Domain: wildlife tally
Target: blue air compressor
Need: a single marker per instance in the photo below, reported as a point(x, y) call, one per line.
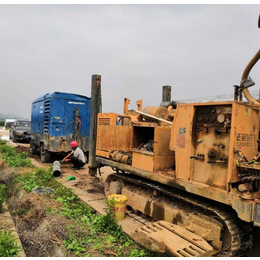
point(56, 120)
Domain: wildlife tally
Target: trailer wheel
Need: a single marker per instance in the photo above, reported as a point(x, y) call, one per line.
point(45, 155)
point(33, 149)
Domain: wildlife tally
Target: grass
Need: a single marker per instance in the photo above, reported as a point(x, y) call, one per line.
point(12, 158)
point(91, 234)
point(8, 245)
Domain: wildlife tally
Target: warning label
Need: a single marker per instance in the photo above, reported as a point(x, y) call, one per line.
point(181, 138)
point(244, 139)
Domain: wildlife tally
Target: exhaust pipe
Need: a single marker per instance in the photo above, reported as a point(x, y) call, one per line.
point(56, 169)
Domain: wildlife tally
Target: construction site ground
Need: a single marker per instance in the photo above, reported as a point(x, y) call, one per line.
point(91, 191)
point(88, 189)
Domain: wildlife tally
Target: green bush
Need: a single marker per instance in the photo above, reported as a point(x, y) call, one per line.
point(8, 245)
point(2, 123)
point(2, 142)
point(40, 178)
point(13, 158)
point(28, 181)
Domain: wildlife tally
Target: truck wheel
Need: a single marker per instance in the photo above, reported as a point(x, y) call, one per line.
point(45, 155)
point(33, 149)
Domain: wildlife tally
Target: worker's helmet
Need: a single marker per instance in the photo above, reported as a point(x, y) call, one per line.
point(74, 144)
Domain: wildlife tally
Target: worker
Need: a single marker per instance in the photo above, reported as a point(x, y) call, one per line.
point(77, 156)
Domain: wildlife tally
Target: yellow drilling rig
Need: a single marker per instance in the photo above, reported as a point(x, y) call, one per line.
point(194, 168)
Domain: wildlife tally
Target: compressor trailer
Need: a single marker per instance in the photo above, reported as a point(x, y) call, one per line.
point(56, 120)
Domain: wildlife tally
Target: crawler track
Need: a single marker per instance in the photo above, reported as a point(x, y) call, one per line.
point(237, 232)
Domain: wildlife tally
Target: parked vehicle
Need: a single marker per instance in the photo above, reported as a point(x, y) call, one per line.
point(20, 131)
point(57, 119)
point(8, 123)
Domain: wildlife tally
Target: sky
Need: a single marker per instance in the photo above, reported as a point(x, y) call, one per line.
point(199, 50)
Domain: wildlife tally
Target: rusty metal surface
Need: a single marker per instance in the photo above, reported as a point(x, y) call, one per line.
point(152, 163)
point(162, 137)
point(139, 104)
point(160, 157)
point(160, 112)
point(181, 134)
point(112, 138)
point(202, 144)
point(211, 139)
point(167, 237)
point(173, 211)
point(170, 180)
point(214, 140)
point(126, 103)
point(236, 235)
point(121, 156)
point(244, 135)
point(166, 93)
point(244, 208)
point(104, 119)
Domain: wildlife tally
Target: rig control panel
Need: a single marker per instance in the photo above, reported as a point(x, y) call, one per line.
point(211, 139)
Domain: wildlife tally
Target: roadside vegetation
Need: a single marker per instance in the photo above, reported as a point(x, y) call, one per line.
point(8, 245)
point(82, 232)
point(12, 158)
point(90, 234)
point(3, 195)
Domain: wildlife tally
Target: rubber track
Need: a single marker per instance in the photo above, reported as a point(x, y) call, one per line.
point(240, 231)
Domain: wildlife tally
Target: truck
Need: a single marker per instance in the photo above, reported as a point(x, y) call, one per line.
point(57, 119)
point(192, 169)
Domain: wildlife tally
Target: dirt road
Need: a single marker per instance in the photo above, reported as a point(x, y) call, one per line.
point(4, 134)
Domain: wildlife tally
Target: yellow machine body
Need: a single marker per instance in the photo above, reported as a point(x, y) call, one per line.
point(198, 153)
point(204, 138)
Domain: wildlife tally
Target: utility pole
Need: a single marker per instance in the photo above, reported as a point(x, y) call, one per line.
point(95, 109)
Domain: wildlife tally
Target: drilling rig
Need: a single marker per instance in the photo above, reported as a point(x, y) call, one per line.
point(194, 168)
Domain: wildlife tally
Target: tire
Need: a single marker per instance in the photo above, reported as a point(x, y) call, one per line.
point(87, 156)
point(45, 155)
point(33, 149)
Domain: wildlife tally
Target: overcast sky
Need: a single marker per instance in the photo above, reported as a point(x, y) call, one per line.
point(200, 50)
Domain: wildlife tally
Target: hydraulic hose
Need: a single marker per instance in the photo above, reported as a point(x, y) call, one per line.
point(246, 72)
